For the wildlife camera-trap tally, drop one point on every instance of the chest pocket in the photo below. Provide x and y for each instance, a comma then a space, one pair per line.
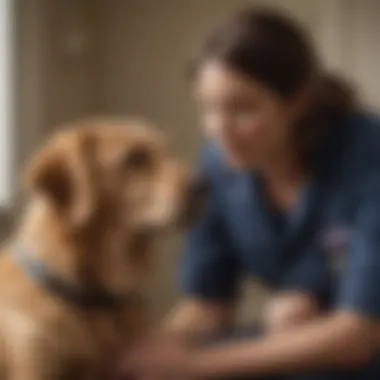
336, 229
334, 242
323, 251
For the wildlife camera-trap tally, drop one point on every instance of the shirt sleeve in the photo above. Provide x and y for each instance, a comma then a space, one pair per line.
359, 288
209, 269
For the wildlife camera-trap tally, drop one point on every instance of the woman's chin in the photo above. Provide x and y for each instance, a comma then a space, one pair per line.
239, 164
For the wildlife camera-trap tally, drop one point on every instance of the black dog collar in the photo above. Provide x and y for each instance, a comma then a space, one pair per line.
94, 298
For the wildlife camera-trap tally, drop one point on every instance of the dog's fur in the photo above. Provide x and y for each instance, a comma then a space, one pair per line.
97, 193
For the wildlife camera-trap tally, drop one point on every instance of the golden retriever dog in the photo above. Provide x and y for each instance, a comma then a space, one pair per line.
98, 195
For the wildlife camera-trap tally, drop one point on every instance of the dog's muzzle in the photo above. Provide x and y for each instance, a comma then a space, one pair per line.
195, 198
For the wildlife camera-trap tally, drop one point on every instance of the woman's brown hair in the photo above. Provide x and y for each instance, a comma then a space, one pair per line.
272, 49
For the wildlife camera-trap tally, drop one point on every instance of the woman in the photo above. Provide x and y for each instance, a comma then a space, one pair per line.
294, 201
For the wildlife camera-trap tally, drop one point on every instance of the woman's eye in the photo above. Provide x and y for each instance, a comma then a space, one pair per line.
138, 159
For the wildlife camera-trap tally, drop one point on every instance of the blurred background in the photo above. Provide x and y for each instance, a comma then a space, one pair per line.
66, 59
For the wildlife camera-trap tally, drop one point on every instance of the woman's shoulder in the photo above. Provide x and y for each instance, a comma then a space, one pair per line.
354, 156
364, 122
360, 133
362, 126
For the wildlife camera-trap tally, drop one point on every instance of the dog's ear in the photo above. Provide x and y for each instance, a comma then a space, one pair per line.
61, 172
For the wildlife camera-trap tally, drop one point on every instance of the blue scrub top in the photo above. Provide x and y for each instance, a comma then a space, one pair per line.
328, 245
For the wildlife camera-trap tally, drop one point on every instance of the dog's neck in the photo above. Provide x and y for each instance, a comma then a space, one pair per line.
42, 233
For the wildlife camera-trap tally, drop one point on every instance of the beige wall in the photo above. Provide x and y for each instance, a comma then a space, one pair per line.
53, 86
134, 63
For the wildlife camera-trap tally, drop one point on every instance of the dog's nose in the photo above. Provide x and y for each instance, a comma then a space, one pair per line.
197, 191
199, 186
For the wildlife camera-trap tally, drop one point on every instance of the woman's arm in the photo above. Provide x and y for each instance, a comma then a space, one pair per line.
348, 337
199, 317
338, 341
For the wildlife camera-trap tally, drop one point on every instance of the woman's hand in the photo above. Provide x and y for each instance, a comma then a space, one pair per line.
162, 357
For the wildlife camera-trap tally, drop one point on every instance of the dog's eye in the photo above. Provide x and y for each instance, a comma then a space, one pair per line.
138, 158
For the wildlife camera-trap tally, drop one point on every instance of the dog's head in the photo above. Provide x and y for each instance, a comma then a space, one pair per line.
111, 187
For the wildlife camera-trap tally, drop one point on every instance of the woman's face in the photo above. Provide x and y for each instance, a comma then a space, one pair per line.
249, 121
